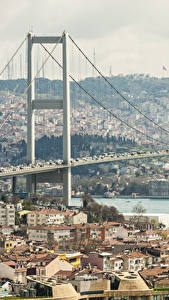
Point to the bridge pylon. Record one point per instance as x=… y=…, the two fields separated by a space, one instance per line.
x=64 y=176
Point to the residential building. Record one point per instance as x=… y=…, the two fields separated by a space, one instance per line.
x=48 y=266
x=77 y=218
x=73 y=258
x=7 y=214
x=44 y=217
x=134 y=261
x=158 y=187
x=117 y=263
x=101 y=261
x=43 y=233
x=13 y=271
x=113 y=230
x=6 y=230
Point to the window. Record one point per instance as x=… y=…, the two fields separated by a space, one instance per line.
x=72 y=260
x=121 y=298
x=144 y=297
x=43 y=272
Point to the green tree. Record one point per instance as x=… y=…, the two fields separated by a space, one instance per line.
x=100 y=213
x=17 y=218
x=155 y=222
x=27 y=204
x=5 y=198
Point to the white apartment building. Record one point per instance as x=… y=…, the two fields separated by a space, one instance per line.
x=45 y=217
x=55 y=217
x=77 y=218
x=7 y=214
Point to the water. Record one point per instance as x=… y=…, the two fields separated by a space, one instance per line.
x=125 y=205
x=158 y=208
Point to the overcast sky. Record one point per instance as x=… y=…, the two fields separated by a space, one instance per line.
x=130 y=36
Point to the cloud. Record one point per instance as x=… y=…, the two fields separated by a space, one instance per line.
x=129 y=35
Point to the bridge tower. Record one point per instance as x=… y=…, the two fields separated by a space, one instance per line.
x=62 y=175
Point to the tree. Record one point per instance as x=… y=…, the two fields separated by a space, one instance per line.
x=86 y=199
x=155 y=222
x=27 y=204
x=138 y=211
x=17 y=218
x=100 y=213
x=4 y=198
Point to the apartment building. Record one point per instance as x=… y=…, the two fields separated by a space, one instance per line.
x=159 y=187
x=7 y=214
x=53 y=217
x=13 y=271
x=106 y=232
x=134 y=261
x=103 y=232
x=48 y=266
x=112 y=230
x=45 y=216
x=77 y=218
x=42 y=233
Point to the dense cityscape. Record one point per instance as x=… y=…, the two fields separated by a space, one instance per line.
x=91 y=250
x=84 y=147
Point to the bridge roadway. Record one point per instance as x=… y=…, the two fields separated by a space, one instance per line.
x=27 y=170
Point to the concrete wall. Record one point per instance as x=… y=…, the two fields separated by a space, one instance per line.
x=65 y=291
x=7 y=272
x=91 y=285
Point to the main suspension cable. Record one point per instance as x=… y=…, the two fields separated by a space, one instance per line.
x=116 y=90
x=103 y=106
x=26 y=89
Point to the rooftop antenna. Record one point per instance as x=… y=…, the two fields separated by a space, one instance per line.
x=30 y=28
x=110 y=72
x=94 y=60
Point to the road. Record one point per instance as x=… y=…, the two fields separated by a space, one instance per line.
x=77 y=162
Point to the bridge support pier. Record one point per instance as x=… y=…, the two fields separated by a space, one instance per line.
x=67 y=186
x=31 y=184
x=63 y=104
x=13 y=184
x=60 y=176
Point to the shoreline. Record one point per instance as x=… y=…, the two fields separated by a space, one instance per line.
x=151 y=205
x=125 y=197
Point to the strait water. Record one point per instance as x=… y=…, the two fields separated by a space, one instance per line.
x=125 y=205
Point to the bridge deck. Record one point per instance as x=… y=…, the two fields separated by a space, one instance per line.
x=79 y=162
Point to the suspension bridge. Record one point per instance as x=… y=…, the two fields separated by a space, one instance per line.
x=60 y=171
